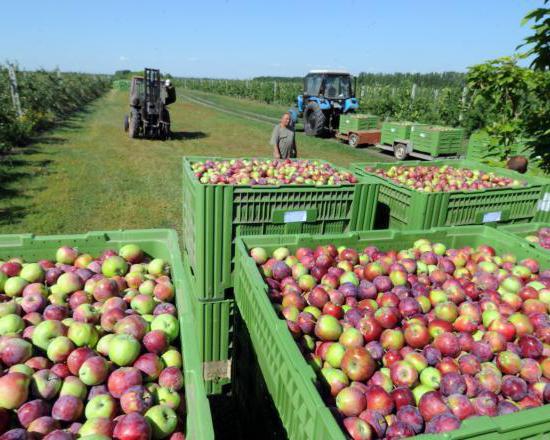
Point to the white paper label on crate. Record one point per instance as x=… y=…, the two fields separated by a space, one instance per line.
x=295 y=216
x=422 y=135
x=544 y=204
x=492 y=217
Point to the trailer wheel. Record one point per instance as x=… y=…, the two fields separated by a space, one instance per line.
x=126 y=123
x=353 y=140
x=400 y=151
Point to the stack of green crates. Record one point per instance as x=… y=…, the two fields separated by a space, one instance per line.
x=121 y=84
x=357 y=122
x=436 y=140
x=393 y=131
x=292 y=382
x=214 y=215
x=412 y=209
x=157 y=243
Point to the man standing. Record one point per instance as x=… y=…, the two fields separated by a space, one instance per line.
x=283 y=139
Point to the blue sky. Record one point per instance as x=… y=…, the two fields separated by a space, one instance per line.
x=242 y=39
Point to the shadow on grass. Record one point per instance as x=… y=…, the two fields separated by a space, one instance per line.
x=188 y=135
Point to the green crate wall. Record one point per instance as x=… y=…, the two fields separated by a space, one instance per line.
x=214 y=321
x=213 y=215
x=393 y=131
x=357 y=122
x=437 y=141
x=411 y=209
x=292 y=382
x=158 y=243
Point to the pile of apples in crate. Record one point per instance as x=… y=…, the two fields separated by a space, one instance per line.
x=542 y=237
x=444 y=178
x=419 y=339
x=270 y=172
x=86 y=348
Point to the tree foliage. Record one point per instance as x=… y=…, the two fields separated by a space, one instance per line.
x=538 y=43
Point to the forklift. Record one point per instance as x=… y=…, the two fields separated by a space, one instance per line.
x=149 y=97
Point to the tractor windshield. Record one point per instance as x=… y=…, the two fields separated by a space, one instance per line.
x=337 y=87
x=312 y=84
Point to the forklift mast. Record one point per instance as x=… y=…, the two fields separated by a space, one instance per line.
x=152 y=92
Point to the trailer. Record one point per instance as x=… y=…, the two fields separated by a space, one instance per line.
x=357 y=138
x=403 y=148
x=422 y=141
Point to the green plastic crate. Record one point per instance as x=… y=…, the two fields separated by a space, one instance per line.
x=158 y=243
x=293 y=383
x=437 y=141
x=393 y=131
x=522 y=230
x=213 y=215
x=411 y=209
x=121 y=84
x=214 y=321
x=357 y=122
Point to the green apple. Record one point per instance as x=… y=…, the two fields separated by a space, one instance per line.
x=45 y=332
x=83 y=334
x=59 y=349
x=163 y=420
x=103 y=405
x=73 y=386
x=8 y=307
x=11 y=324
x=335 y=354
x=168 y=324
x=157 y=267
x=172 y=358
x=94 y=371
x=143 y=304
x=103 y=344
x=165 y=396
x=32 y=272
x=14 y=286
x=22 y=368
x=147 y=287
x=430 y=377
x=114 y=265
x=124 y=349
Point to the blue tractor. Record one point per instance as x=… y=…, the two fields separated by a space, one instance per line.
x=327 y=94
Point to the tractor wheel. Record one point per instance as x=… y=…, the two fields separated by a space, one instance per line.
x=126 y=123
x=133 y=126
x=353 y=140
x=314 y=120
x=400 y=151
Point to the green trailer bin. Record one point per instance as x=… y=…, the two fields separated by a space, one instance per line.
x=401 y=207
x=214 y=215
x=437 y=141
x=395 y=130
x=523 y=230
x=357 y=122
x=292 y=382
x=157 y=243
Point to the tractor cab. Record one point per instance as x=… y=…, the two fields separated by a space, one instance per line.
x=327 y=94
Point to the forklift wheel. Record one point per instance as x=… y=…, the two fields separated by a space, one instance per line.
x=353 y=140
x=400 y=151
x=126 y=123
